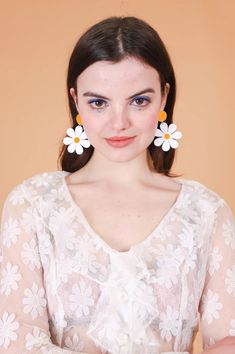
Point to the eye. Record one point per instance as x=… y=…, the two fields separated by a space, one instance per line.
x=141 y=101
x=97 y=103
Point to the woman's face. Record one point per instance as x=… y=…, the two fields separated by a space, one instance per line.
x=119 y=99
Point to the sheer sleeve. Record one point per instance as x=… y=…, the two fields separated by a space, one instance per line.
x=217 y=304
x=23 y=305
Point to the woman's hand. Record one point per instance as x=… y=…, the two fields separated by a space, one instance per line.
x=224 y=346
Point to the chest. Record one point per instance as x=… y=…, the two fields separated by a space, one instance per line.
x=124 y=219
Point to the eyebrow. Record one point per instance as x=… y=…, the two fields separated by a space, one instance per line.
x=93 y=94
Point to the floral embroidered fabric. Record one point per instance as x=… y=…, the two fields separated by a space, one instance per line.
x=64 y=290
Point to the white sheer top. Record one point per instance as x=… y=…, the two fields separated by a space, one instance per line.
x=65 y=290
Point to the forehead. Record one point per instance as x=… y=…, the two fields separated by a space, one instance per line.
x=128 y=72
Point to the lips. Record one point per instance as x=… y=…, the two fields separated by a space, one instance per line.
x=119 y=138
x=120 y=141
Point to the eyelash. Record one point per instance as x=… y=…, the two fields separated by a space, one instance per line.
x=145 y=98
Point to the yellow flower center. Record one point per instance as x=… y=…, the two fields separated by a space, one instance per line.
x=167 y=136
x=76 y=140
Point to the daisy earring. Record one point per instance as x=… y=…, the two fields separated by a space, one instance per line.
x=76 y=139
x=166 y=135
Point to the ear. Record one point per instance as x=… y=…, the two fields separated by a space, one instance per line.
x=164 y=96
x=73 y=94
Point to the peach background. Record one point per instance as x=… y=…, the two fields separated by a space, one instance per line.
x=36 y=41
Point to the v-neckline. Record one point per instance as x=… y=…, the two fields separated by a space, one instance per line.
x=98 y=238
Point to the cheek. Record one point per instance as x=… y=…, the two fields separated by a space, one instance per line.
x=92 y=126
x=150 y=123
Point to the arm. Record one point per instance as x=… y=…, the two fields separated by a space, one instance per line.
x=23 y=305
x=223 y=346
x=217 y=305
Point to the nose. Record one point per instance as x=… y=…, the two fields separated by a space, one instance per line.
x=120 y=120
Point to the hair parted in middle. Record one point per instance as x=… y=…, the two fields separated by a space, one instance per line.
x=114 y=39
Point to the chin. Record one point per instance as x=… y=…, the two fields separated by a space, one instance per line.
x=118 y=159
x=121 y=157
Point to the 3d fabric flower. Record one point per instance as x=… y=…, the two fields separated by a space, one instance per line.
x=76 y=140
x=166 y=136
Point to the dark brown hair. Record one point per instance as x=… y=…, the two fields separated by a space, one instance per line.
x=114 y=39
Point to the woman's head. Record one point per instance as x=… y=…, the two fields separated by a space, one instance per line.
x=115 y=40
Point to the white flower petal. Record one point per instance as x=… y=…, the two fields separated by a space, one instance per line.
x=83 y=135
x=85 y=143
x=232 y=330
x=34 y=301
x=35 y=337
x=79 y=149
x=166 y=146
x=172 y=128
x=81 y=299
x=7 y=329
x=230 y=280
x=176 y=135
x=78 y=130
x=9 y=279
x=68 y=141
x=72 y=147
x=158 y=141
x=211 y=306
x=158 y=133
x=71 y=132
x=164 y=127
x=173 y=143
x=169 y=324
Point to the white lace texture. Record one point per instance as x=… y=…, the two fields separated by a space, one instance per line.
x=64 y=290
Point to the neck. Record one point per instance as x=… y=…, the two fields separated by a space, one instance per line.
x=117 y=174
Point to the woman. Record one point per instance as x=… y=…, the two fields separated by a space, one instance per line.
x=114 y=254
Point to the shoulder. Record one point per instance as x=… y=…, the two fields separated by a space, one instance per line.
x=203 y=209
x=201 y=196
x=43 y=182
x=195 y=186
x=36 y=187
